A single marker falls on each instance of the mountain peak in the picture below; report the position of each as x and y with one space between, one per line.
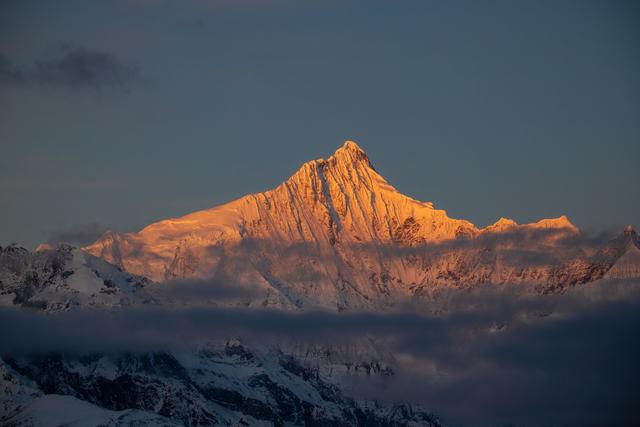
502 224
630 235
561 222
323 237
44 247
351 153
351 146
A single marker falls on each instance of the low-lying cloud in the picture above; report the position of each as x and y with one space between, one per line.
214 290
487 358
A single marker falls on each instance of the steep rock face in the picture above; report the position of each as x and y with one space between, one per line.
337 234
16 392
625 250
23 404
627 267
221 384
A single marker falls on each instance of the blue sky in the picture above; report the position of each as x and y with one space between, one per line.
122 113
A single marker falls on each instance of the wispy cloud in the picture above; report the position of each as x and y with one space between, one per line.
10 74
55 183
79 235
73 67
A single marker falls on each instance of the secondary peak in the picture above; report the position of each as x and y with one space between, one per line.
629 231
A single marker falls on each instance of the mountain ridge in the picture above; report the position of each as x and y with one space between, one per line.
323 236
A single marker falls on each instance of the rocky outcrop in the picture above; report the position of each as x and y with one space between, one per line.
64 277
221 384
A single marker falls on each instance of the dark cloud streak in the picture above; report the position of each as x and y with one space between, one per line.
82 68
10 74
73 68
79 235
206 291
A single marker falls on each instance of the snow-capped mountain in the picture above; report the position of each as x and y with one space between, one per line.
64 277
337 234
334 235
223 384
625 249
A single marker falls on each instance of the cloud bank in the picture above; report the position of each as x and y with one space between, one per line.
488 357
